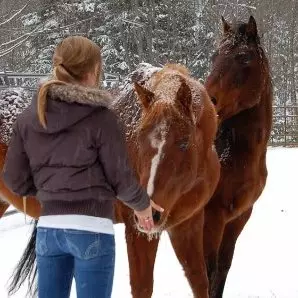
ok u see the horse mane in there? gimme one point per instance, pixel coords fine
(177, 67)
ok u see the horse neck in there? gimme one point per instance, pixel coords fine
(250, 127)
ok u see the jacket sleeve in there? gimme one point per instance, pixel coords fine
(114, 159)
(16, 171)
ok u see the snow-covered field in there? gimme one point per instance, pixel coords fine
(266, 258)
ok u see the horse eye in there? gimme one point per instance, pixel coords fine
(183, 145)
(214, 101)
(244, 58)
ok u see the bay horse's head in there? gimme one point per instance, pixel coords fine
(166, 137)
(239, 68)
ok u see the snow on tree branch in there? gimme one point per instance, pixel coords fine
(14, 15)
(20, 39)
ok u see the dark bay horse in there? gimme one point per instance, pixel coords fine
(170, 124)
(240, 87)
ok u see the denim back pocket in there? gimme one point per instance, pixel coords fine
(83, 244)
(41, 242)
(107, 243)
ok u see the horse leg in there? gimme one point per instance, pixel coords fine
(231, 234)
(214, 226)
(141, 257)
(187, 241)
(32, 205)
(3, 207)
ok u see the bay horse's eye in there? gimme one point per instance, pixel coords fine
(244, 58)
(183, 144)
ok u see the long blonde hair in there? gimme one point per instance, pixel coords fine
(74, 57)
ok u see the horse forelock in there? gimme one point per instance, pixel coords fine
(166, 83)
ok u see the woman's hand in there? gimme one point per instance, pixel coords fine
(145, 216)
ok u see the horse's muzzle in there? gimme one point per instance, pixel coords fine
(156, 215)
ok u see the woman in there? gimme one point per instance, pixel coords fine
(68, 150)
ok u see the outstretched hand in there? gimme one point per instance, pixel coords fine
(145, 217)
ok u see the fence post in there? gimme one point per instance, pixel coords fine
(285, 122)
(5, 78)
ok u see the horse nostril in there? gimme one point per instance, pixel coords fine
(156, 216)
(214, 101)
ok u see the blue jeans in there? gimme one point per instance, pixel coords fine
(63, 254)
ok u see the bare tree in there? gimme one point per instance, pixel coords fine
(13, 42)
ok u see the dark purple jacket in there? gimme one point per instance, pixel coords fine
(79, 164)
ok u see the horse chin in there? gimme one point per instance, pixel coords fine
(155, 233)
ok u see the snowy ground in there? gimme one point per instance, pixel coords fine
(265, 262)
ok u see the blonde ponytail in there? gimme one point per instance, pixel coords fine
(42, 101)
(61, 73)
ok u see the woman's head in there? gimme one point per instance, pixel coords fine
(76, 60)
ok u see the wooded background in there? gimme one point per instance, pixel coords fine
(153, 31)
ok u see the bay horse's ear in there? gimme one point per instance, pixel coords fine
(251, 29)
(145, 96)
(226, 26)
(184, 98)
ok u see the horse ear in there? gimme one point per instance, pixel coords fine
(226, 26)
(145, 96)
(184, 98)
(252, 29)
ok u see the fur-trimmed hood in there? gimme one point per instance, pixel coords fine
(69, 104)
(81, 95)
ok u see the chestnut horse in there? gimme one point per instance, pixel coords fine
(170, 126)
(7, 198)
(240, 87)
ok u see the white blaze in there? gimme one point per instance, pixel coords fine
(156, 144)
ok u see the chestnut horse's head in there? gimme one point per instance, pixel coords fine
(239, 69)
(167, 137)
